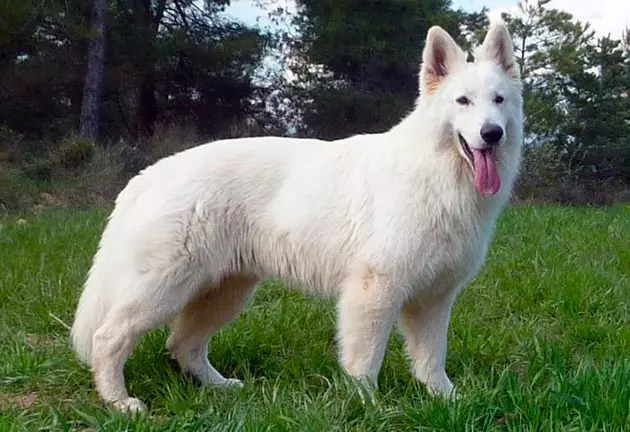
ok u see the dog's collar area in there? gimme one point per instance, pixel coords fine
(466, 149)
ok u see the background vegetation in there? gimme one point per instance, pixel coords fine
(91, 92)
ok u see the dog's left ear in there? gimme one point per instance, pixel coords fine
(498, 47)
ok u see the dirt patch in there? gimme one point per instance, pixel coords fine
(17, 401)
(35, 340)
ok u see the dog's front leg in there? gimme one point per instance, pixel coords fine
(367, 308)
(424, 323)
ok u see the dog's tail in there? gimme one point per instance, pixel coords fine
(94, 303)
(100, 290)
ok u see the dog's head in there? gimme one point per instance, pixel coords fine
(484, 112)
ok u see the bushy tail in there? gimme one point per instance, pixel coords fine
(99, 290)
(93, 306)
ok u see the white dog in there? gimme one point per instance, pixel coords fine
(393, 224)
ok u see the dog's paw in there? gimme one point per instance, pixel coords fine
(444, 390)
(130, 405)
(231, 383)
(366, 388)
(367, 395)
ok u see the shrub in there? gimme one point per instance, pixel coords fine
(19, 192)
(72, 153)
(541, 169)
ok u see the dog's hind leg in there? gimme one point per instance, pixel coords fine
(144, 307)
(367, 310)
(203, 316)
(424, 323)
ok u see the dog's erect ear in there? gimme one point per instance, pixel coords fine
(441, 57)
(498, 47)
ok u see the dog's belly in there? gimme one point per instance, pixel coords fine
(308, 265)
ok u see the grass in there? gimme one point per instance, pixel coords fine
(539, 341)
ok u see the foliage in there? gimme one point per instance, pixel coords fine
(356, 62)
(41, 46)
(576, 96)
(328, 69)
(166, 60)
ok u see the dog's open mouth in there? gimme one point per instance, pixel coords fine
(484, 164)
(467, 151)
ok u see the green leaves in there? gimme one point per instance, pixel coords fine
(182, 62)
(575, 94)
(372, 51)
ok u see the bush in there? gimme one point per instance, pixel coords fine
(99, 181)
(171, 139)
(541, 169)
(545, 178)
(73, 172)
(19, 192)
(10, 143)
(73, 153)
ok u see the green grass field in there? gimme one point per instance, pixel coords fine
(540, 341)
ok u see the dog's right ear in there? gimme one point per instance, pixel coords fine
(440, 58)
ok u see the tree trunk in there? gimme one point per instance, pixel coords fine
(147, 24)
(147, 105)
(91, 102)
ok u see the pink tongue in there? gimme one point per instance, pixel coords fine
(487, 178)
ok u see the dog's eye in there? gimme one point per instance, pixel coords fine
(498, 99)
(462, 100)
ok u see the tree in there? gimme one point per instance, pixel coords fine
(175, 61)
(577, 109)
(90, 105)
(179, 62)
(599, 114)
(625, 39)
(357, 61)
(42, 68)
(575, 94)
(549, 45)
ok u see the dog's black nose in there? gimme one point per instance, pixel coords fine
(491, 133)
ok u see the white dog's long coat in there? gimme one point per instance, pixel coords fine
(394, 224)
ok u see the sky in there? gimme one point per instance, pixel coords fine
(605, 16)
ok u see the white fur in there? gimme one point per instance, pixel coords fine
(389, 223)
